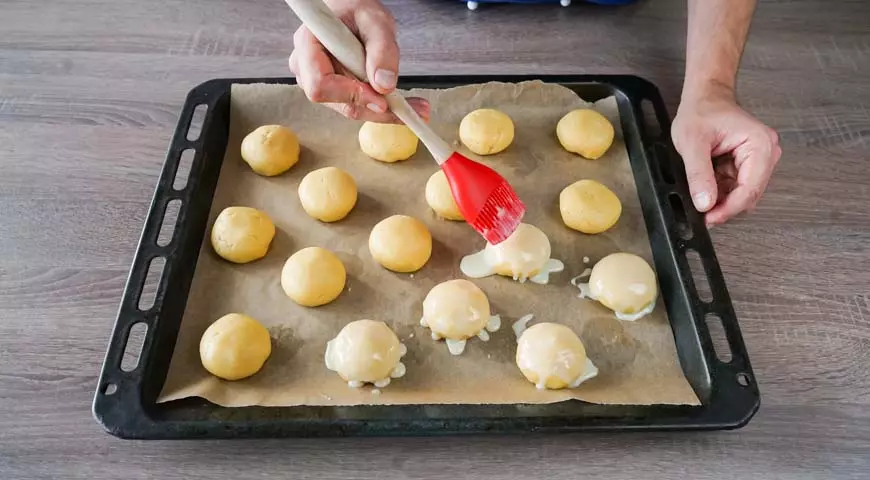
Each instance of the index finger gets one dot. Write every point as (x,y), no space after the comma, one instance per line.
(317,76)
(752,179)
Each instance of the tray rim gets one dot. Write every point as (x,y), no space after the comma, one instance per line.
(140,424)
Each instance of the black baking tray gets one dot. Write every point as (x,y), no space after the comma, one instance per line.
(125,401)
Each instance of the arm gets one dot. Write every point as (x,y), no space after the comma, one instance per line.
(714,44)
(711,124)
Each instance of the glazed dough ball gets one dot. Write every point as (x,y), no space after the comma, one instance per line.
(624,283)
(328,194)
(456,310)
(242,234)
(523,254)
(387,142)
(486,131)
(551,356)
(271,150)
(234,347)
(585,132)
(401,243)
(313,276)
(440,198)
(365,351)
(589,207)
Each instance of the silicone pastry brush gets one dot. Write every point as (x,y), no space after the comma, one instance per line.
(487,201)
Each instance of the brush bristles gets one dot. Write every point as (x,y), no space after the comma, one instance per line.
(500,215)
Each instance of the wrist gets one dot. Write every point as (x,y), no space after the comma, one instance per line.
(706,89)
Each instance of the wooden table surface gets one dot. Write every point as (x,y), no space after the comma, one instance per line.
(90,91)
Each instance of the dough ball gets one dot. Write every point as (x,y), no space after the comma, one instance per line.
(313,276)
(585,132)
(242,234)
(328,194)
(486,131)
(365,351)
(271,150)
(589,207)
(624,283)
(440,198)
(401,243)
(387,142)
(234,347)
(551,356)
(456,309)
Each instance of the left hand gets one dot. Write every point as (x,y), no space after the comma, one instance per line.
(711,126)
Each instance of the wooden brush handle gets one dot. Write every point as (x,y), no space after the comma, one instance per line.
(347,49)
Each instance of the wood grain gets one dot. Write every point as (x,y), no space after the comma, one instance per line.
(89,96)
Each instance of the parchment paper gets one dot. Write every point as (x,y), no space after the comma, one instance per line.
(637,360)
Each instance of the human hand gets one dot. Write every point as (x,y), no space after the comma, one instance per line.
(325,81)
(729,154)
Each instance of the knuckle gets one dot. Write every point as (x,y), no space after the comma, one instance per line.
(348,110)
(352,112)
(753,196)
(679,139)
(315,92)
(773,136)
(299,36)
(389,22)
(382,16)
(776,155)
(356,96)
(684,135)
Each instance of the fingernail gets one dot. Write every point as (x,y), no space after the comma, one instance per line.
(385,79)
(702,201)
(375,108)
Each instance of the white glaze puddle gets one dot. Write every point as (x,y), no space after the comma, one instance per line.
(399,371)
(479,265)
(329,355)
(590,372)
(494,323)
(631,317)
(382,382)
(522,324)
(552,266)
(457,347)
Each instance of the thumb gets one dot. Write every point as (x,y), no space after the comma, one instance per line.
(699,172)
(378,33)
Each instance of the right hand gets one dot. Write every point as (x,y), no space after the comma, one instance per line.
(325,81)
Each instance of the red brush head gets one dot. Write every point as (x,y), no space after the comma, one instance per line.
(486,200)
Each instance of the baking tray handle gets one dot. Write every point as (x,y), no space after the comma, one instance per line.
(129,353)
